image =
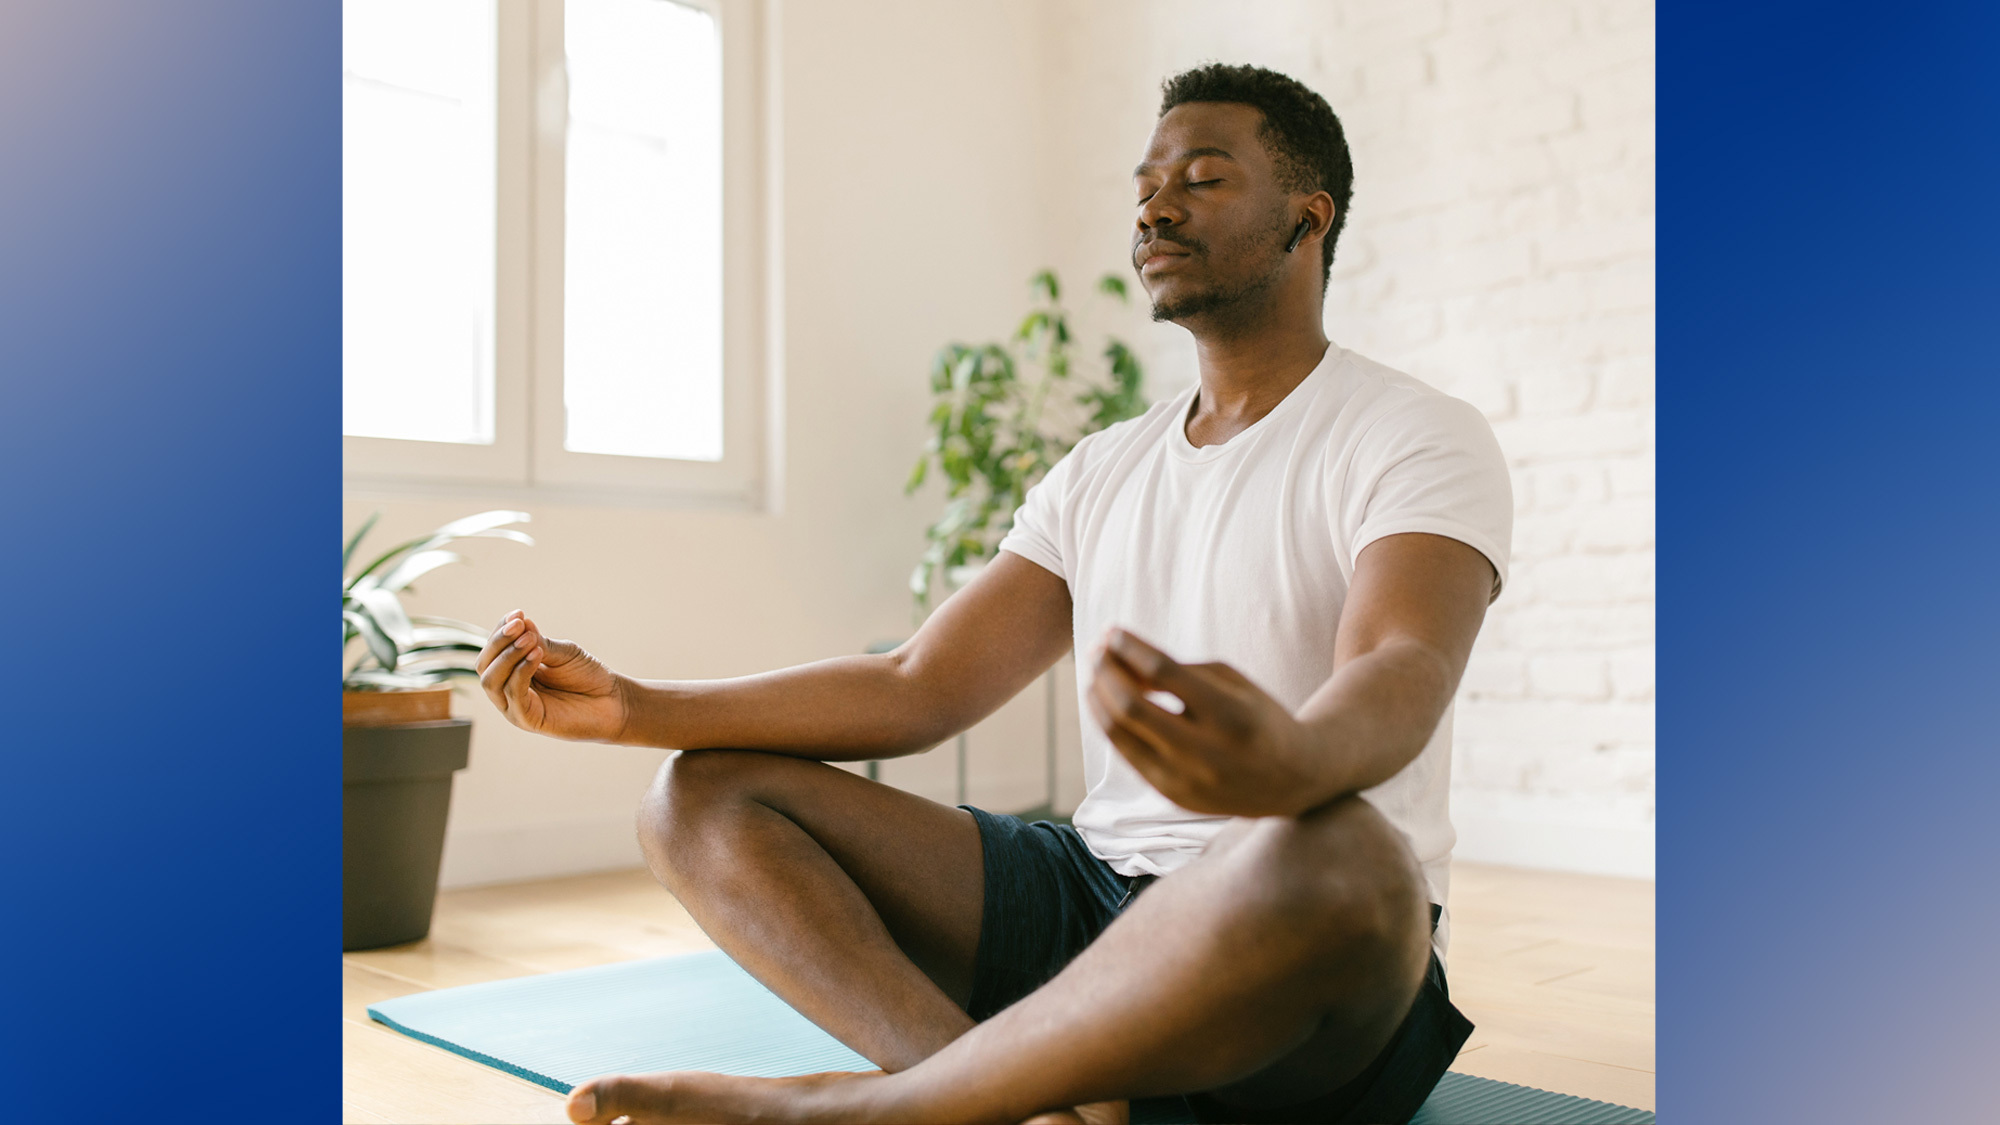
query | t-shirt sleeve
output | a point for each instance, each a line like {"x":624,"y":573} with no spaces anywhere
{"x":1432,"y":465}
{"x":1037,"y":534}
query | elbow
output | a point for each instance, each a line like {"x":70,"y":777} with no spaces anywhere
{"x":922,"y":719}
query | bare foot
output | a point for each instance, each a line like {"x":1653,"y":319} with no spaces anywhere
{"x":694,"y":1096}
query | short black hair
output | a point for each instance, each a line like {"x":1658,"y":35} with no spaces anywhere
{"x":1300,"y":130}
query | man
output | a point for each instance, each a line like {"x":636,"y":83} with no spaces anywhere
{"x":1272,"y":581}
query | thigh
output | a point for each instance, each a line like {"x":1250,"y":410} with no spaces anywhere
{"x":916,"y":861}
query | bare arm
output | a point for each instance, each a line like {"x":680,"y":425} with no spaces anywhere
{"x":1413,"y":609}
{"x":983,"y":645}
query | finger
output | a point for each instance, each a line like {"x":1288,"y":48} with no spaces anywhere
{"x":1145,"y":659}
{"x":493,"y":680}
{"x":558,"y":653}
{"x":530,"y":629}
{"x":1144,"y":751}
{"x":1161,"y":772}
{"x":1207,"y":688}
{"x":1144,"y":756}
{"x":503,"y":635}
{"x":519,"y":685}
{"x":1178,"y":758}
{"x":1124,"y":698}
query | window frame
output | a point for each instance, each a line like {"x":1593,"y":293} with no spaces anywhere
{"x":526,"y":460}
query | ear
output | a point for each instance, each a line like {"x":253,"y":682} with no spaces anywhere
{"x":1316,"y":218}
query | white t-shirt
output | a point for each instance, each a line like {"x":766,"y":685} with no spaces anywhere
{"x":1242,"y":553}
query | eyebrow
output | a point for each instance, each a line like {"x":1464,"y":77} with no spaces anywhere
{"x":1190,"y":154}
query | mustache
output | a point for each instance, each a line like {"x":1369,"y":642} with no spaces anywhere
{"x":1142,"y":248}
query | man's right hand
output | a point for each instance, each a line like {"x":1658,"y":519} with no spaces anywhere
{"x":551,"y":687}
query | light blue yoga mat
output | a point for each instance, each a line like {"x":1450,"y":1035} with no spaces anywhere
{"x":702,"y":1012}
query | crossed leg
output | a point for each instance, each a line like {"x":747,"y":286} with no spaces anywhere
{"x":1270,"y":970}
{"x":857,"y":902}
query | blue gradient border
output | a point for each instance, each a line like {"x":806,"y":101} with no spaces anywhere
{"x":169,"y":352}
{"x":1829,"y":348}
{"x":169,"y":443}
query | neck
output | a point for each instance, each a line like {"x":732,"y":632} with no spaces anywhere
{"x":1249,"y":364}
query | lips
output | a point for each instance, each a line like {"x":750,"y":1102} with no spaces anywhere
{"x":1157,"y":252}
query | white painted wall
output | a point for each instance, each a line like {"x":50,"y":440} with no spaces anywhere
{"x":934,"y":155}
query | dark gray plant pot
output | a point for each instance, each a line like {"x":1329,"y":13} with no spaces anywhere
{"x":397,"y":792}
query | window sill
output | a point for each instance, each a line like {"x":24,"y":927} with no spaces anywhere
{"x":527,"y":496}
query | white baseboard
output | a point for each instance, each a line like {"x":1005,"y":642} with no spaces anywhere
{"x":1553,"y":833}
{"x":542,"y":851}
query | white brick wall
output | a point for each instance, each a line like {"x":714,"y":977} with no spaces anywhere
{"x":1500,"y":247}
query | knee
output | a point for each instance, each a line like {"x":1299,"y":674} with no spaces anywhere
{"x":1340,"y":877}
{"x":690,"y":784}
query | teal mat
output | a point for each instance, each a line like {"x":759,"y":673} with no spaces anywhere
{"x":702,"y":1012}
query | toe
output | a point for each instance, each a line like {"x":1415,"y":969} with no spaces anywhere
{"x":641,"y":1097}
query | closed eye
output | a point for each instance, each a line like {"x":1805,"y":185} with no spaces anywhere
{"x":1191,"y":183}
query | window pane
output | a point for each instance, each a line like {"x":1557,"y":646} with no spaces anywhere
{"x":642,"y":251}
{"x":417,"y":188}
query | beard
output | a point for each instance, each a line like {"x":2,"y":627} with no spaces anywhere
{"x":1215,"y":298}
{"x":1238,"y":294}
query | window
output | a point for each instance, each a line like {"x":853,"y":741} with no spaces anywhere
{"x":554,"y":248}
{"x":642,"y":231}
{"x":416,"y":194}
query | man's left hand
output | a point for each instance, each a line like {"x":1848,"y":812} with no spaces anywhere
{"x":1232,"y":751}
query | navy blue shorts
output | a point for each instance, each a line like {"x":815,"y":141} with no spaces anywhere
{"x":1047,"y":897}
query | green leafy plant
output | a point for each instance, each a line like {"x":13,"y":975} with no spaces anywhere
{"x":996,"y":432}
{"x":399,"y":649}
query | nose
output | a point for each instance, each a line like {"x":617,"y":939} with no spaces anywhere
{"x":1161,"y":210}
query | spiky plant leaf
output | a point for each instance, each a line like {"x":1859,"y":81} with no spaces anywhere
{"x":441,"y":647}
{"x":484,"y":525}
{"x":347,"y":552}
{"x":374,"y":679}
{"x":477,"y":523}
{"x":448,"y":623}
{"x":386,"y":610}
{"x":447,"y":634}
{"x":415,"y":566}
{"x":379,"y":645}
{"x":431,"y":660}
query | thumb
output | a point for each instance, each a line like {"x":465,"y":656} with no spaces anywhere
{"x":557,"y":652}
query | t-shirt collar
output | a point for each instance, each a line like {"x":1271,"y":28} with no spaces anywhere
{"x":1177,"y":439}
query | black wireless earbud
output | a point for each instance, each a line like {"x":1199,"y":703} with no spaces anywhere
{"x":1305,"y":226}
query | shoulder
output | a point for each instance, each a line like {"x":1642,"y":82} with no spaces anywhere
{"x":1106,"y":445}
{"x":1384,"y":409}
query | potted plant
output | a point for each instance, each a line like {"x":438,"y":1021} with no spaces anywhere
{"x":995,"y":434}
{"x":399,"y":744}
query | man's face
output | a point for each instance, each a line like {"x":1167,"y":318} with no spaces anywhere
{"x":1212,"y":222}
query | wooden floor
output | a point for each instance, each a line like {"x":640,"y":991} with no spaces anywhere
{"x":1556,"y":971}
